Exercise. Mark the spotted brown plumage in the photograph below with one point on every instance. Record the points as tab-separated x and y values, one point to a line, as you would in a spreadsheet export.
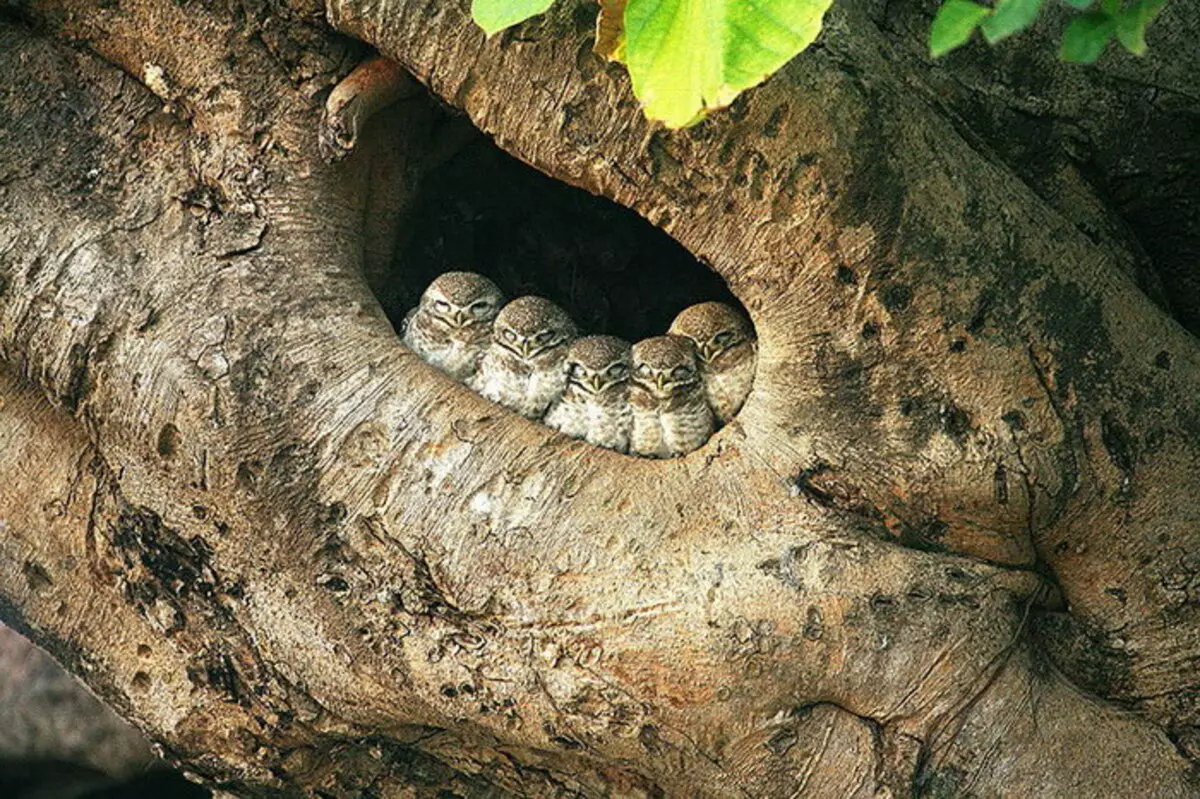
595	404
452	325
523	366
671	416
727	351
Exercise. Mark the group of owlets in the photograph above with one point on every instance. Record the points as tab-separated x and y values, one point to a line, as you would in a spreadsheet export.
660	398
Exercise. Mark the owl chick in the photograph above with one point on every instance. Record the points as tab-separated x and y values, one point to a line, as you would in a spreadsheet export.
595	404
524	366
671	416
452	326
727	351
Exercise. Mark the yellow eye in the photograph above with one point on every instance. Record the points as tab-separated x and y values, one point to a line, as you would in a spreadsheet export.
643	370
618	371
509	335
442	306
681	373
724	339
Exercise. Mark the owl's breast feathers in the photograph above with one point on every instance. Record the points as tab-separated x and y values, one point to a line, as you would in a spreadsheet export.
728	380
569	415
527	386
456	351
642	399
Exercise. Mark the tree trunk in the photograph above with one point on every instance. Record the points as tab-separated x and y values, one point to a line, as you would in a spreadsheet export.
949	546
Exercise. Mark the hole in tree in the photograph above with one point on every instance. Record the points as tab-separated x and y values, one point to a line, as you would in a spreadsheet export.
484	211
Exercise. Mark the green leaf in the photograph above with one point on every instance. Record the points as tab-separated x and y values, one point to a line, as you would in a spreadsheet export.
496	15
953	25
689	57
1081	5
1009	17
1086	37
1132	22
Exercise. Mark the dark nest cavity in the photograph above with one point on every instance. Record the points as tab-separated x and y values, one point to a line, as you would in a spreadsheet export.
484	211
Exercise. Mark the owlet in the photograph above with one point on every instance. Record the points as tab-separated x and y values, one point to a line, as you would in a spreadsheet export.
727	350
671	416
595	404
452	326
524	366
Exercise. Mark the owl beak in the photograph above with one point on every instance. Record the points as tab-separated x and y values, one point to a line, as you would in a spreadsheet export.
707	352
660	381
597	383
526	346
461	318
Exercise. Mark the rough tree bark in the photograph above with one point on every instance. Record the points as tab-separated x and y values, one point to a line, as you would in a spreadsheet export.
949	547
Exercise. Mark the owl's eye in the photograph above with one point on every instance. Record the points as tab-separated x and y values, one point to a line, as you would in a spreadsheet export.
481	308
681	373
724	338
442	306
509	335
643	370
576	370
545	337
618	371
